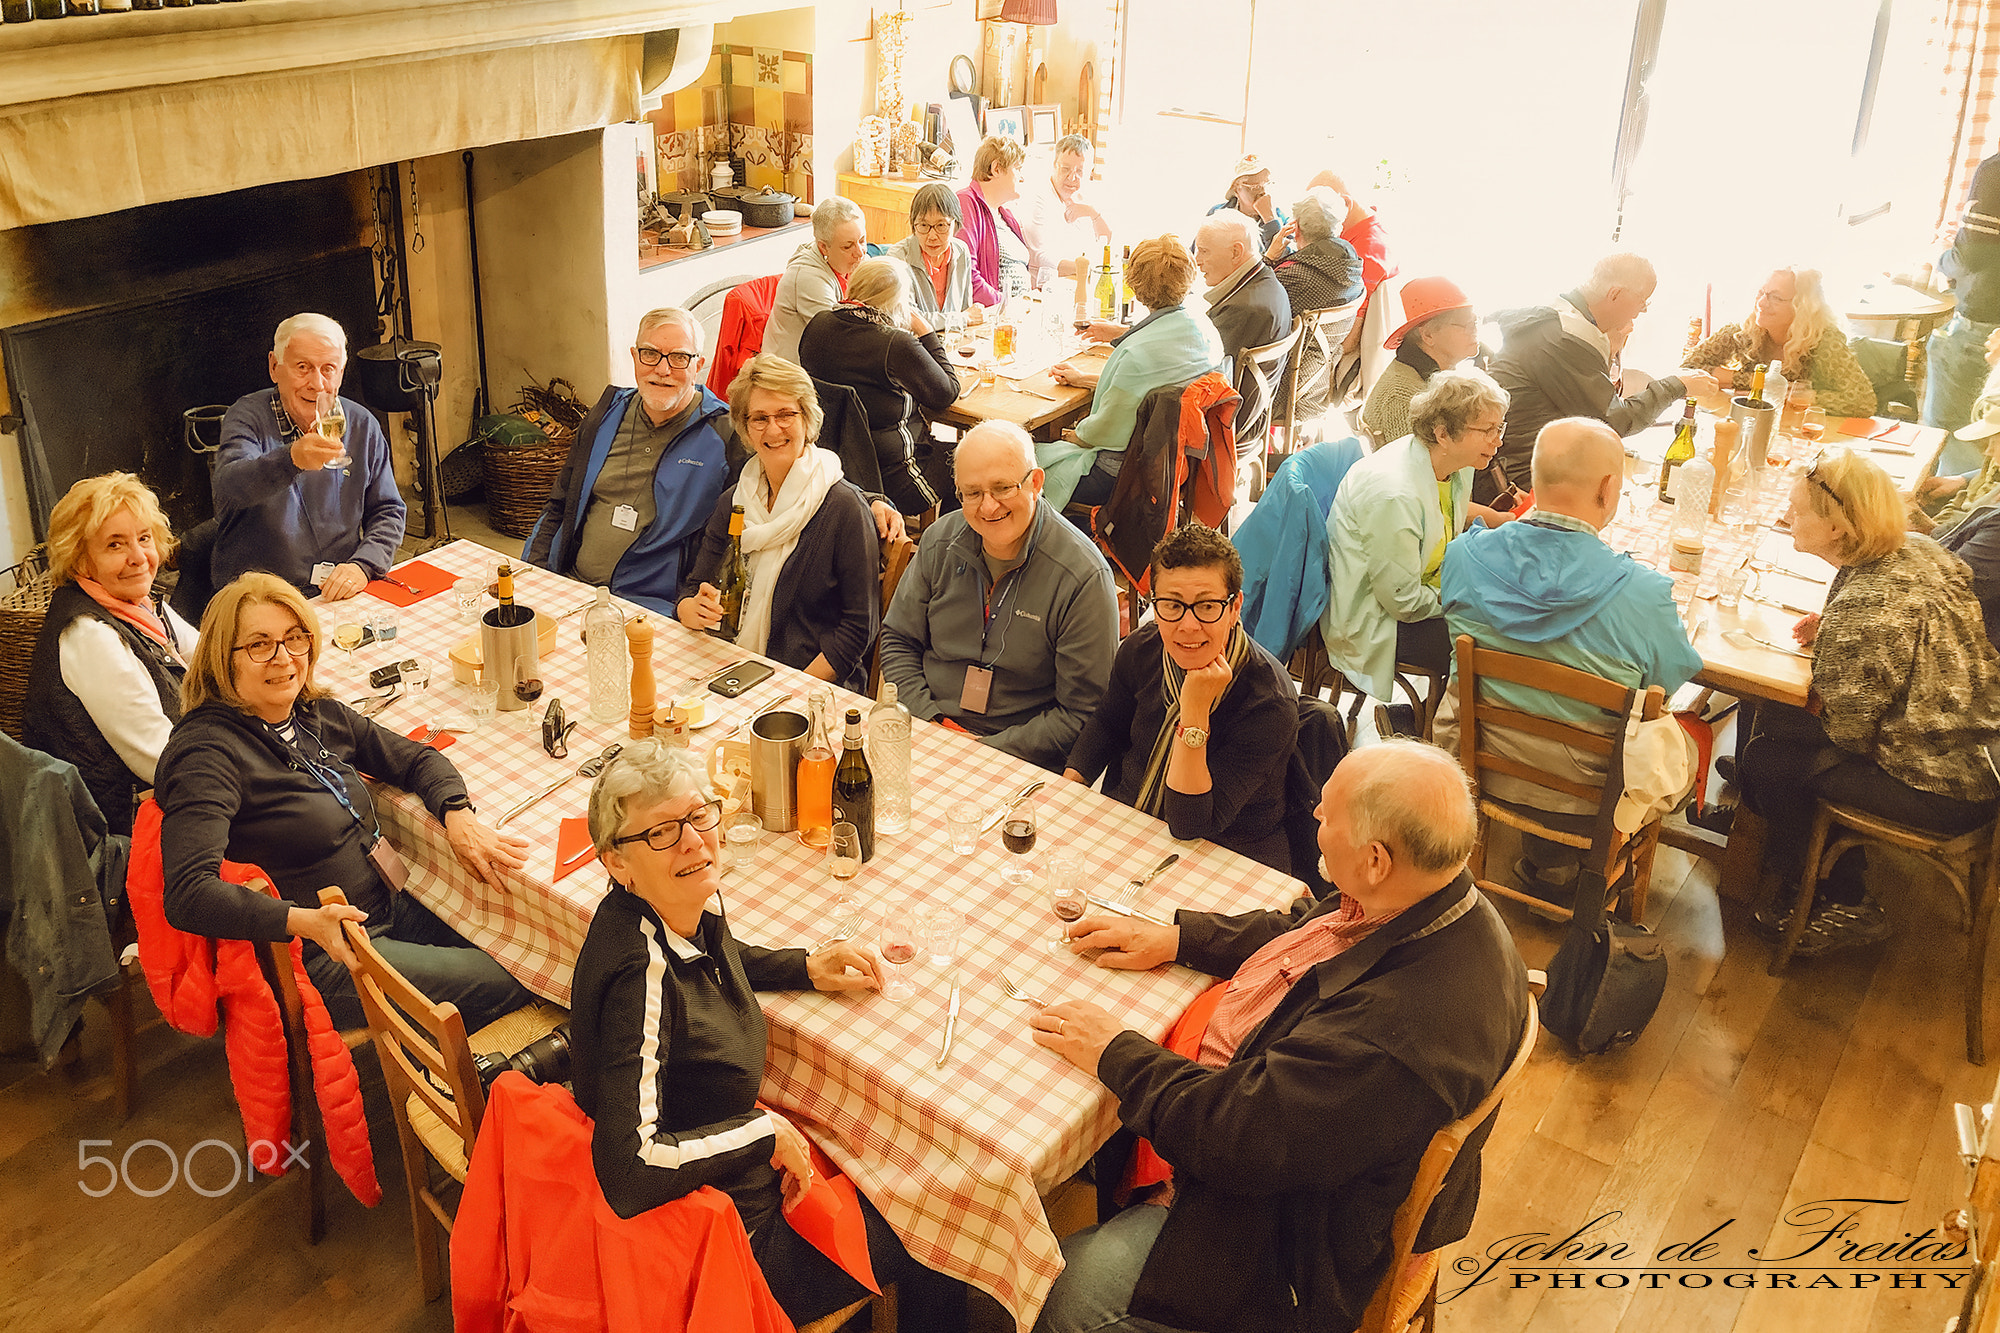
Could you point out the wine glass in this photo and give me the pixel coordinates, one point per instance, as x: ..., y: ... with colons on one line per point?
x: 1067, y: 898
x: 897, y: 941
x: 1018, y: 836
x: 843, y: 861
x: 347, y: 638
x: 1813, y: 426
x: 331, y: 421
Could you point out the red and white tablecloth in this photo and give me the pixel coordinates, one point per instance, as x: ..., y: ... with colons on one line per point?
x: 956, y: 1158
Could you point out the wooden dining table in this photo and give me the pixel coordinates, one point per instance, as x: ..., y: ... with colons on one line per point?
x: 957, y: 1154
x: 1035, y: 401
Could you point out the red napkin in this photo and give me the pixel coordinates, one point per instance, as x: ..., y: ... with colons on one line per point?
x: 1881, y: 430
x: 427, y: 579
x: 437, y: 742
x: 573, y: 847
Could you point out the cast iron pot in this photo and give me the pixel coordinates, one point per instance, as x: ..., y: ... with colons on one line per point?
x: 761, y: 208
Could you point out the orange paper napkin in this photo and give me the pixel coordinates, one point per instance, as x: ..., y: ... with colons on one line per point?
x: 1881, y: 430
x: 427, y: 579
x: 573, y: 847
x: 437, y: 742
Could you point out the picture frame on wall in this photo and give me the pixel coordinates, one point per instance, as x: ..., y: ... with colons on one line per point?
x: 1010, y: 120
x: 1044, y: 125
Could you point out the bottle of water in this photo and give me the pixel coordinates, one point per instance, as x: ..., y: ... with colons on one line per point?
x: 610, y: 688
x: 889, y: 757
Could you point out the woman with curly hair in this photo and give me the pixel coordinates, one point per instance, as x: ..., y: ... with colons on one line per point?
x: 1791, y: 323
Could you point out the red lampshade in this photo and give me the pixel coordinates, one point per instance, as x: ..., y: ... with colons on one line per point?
x: 1028, y: 11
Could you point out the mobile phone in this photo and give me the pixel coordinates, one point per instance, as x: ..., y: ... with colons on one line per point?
x: 732, y: 683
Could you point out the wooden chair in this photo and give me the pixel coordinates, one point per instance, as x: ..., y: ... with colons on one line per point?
x: 433, y: 1088
x: 1323, y: 331
x: 896, y: 557
x: 1314, y: 672
x: 1260, y: 376
x: 1627, y: 863
x: 1407, y: 1296
x: 1970, y: 863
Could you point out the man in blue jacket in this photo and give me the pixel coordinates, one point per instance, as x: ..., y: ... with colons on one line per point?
x: 628, y: 509
x: 1549, y: 587
x: 283, y: 501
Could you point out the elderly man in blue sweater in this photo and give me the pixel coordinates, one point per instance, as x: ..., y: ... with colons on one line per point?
x: 284, y: 501
x: 1549, y: 587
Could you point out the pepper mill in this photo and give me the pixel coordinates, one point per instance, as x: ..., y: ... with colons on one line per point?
x: 639, y: 642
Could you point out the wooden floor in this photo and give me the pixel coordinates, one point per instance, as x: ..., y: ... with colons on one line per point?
x: 1747, y: 1097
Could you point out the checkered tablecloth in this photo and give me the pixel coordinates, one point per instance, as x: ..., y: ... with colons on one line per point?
x: 956, y: 1159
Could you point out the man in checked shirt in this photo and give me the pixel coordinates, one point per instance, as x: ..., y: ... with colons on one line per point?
x: 1285, y: 1130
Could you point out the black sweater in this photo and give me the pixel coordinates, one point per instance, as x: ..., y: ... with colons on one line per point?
x: 1973, y: 262
x: 829, y: 594
x: 1251, y: 735
x: 643, y: 998
x: 229, y: 787
x: 897, y: 375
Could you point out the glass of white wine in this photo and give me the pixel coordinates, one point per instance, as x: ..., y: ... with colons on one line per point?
x: 331, y: 422
x: 347, y: 638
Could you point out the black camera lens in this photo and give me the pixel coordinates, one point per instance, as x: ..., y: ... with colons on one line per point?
x: 544, y: 1060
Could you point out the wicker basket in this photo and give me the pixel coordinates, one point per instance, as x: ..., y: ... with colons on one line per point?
x: 24, y: 603
x: 518, y: 481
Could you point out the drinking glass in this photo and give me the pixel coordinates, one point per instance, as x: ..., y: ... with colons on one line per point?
x: 843, y: 855
x: 347, y: 638
x: 382, y: 623
x: 484, y: 697
x: 1017, y: 833
x: 1730, y: 586
x: 331, y: 421
x: 897, y: 942
x: 1813, y: 425
x: 1067, y: 898
x: 942, y: 923
x: 416, y: 675
x: 964, y: 820
x: 468, y: 592
x: 744, y: 836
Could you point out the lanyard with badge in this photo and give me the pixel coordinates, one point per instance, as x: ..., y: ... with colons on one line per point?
x: 380, y: 851
x: 978, y: 689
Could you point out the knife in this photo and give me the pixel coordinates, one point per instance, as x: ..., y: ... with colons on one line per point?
x: 1138, y: 913
x: 589, y: 769
x: 993, y: 820
x: 1773, y: 601
x: 1130, y: 893
x: 950, y: 1018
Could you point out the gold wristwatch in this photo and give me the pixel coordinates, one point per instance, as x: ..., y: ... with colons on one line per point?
x: 1193, y: 737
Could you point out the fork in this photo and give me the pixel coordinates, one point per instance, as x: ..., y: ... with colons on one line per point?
x: 1013, y: 989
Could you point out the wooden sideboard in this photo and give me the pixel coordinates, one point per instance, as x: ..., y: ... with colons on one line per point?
x: 885, y: 203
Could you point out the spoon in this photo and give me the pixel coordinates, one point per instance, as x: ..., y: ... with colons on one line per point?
x: 589, y: 770
x: 1743, y: 638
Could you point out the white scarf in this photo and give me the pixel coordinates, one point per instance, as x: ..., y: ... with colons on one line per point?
x: 770, y: 532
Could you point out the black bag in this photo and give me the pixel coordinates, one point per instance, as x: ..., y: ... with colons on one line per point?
x: 1608, y: 977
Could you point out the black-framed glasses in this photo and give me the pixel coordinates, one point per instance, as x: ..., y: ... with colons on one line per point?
x: 1208, y: 610
x: 1812, y: 475
x: 666, y: 835
x: 298, y: 643
x: 652, y: 356
x: 972, y: 499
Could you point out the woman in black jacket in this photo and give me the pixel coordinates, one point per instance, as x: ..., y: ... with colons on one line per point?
x: 265, y: 768
x: 815, y: 595
x: 876, y: 343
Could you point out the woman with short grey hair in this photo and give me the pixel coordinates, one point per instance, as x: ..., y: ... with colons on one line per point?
x: 1391, y: 518
x: 1323, y: 272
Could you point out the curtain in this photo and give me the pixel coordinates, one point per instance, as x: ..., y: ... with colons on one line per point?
x: 1971, y: 40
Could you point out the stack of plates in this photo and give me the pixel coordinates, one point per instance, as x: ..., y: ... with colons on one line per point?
x: 723, y: 222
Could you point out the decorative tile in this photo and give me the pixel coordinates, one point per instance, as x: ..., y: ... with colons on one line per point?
x: 762, y: 175
x: 742, y: 108
x: 686, y: 104
x: 798, y: 115
x: 768, y: 60
x: 712, y: 76
x: 767, y: 107
x: 743, y: 71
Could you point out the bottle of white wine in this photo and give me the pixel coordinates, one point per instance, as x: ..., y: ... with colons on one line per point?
x: 1107, y: 288
x: 733, y: 579
x: 1678, y: 452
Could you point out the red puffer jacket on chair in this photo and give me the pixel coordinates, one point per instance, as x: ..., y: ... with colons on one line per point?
x: 189, y: 975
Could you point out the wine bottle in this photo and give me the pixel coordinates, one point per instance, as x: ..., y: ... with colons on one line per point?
x: 816, y: 766
x: 733, y: 580
x: 1125, y: 286
x: 503, y: 588
x: 51, y: 9
x: 1757, y: 388
x: 889, y: 758
x: 854, y: 787
x: 17, y: 11
x: 1678, y: 452
x: 1107, y: 288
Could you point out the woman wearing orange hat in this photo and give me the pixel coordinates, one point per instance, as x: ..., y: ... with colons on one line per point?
x: 1438, y: 331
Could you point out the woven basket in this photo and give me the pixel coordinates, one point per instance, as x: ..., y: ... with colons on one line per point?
x: 518, y: 481
x: 24, y: 604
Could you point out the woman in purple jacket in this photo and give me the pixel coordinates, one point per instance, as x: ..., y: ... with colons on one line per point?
x: 999, y: 253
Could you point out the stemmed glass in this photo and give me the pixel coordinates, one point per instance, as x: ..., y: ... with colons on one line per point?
x: 843, y: 862
x: 347, y: 638
x: 331, y: 421
x: 1018, y: 835
x: 898, y: 944
x: 1066, y: 898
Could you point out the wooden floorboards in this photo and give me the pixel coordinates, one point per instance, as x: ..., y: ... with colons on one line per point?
x: 1747, y: 1098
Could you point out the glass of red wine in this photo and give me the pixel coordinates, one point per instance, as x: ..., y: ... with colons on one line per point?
x: 1017, y: 834
x: 1067, y: 898
x: 897, y: 942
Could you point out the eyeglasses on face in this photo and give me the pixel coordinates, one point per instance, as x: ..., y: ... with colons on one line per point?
x: 1495, y: 430
x: 652, y: 356
x: 1773, y: 297
x: 975, y: 497
x: 298, y: 643
x: 785, y: 418
x: 666, y: 835
x: 938, y: 228
x: 1208, y: 610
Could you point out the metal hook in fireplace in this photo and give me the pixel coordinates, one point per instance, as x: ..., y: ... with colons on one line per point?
x: 198, y: 424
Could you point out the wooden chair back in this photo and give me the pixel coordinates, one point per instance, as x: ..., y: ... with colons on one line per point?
x: 1627, y: 863
x: 1393, y: 1302
x: 896, y: 556
x: 1259, y: 374
x: 1323, y: 330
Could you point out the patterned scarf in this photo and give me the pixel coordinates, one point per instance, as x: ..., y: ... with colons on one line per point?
x: 1153, y: 791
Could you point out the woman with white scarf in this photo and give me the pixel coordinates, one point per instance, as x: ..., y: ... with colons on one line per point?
x: 815, y: 594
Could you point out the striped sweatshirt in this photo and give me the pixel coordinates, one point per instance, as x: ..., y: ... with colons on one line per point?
x: 668, y: 1053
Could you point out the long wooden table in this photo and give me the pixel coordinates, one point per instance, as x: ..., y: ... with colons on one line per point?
x: 1034, y: 402
x: 957, y: 1157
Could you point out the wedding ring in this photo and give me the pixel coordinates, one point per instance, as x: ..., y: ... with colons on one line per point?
x: 1061, y: 1023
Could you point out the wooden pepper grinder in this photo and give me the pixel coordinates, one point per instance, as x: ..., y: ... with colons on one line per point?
x: 1724, y: 453
x: 639, y: 642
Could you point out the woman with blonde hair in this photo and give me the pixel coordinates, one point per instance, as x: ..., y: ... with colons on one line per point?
x: 879, y: 344
x: 999, y: 247
x: 265, y: 768
x: 106, y: 673
x: 1174, y: 344
x: 1907, y: 693
x: 815, y: 595
x: 1791, y: 323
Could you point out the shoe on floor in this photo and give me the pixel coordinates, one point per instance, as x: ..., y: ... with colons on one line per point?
x: 1529, y: 877
x: 1833, y: 927
x: 1714, y: 818
x: 1395, y: 720
x: 1725, y: 768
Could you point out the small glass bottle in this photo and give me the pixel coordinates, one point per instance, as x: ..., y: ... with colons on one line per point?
x: 610, y: 687
x: 889, y: 757
x: 1688, y: 538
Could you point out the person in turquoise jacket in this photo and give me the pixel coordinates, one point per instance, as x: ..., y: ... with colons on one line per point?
x: 1549, y: 587
x: 1283, y: 545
